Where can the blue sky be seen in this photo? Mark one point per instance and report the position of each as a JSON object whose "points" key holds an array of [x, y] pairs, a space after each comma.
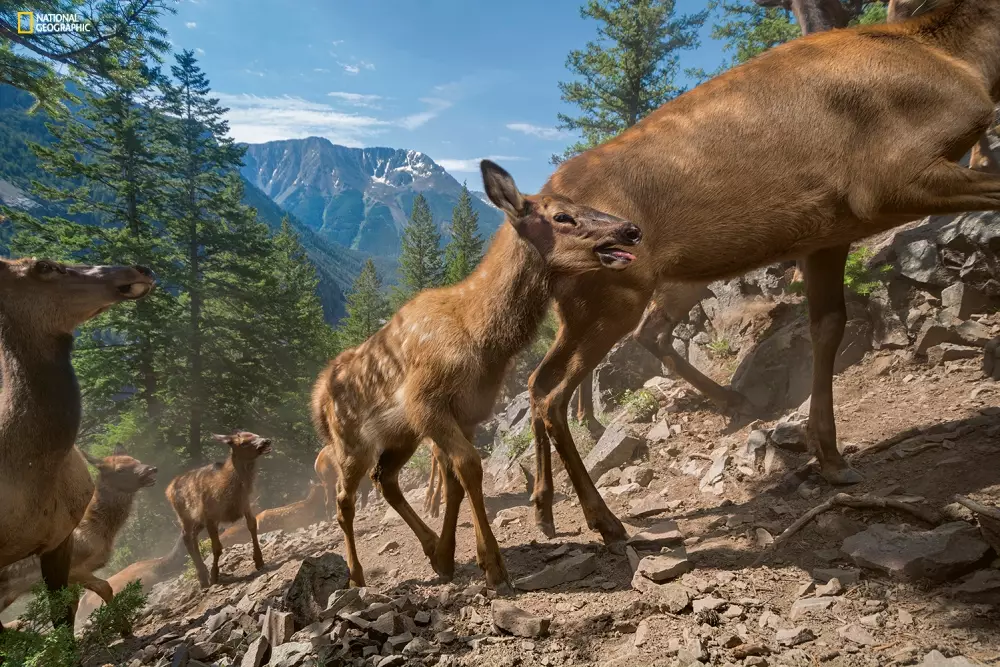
{"points": [[456, 79]]}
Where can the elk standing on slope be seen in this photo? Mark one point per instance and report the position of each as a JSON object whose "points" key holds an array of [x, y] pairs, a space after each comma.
{"points": [[119, 478], [219, 493], [435, 369], [288, 517], [45, 486], [841, 135]]}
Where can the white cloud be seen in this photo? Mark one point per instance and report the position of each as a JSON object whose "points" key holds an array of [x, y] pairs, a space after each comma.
{"points": [[254, 72], [200, 51], [549, 133], [357, 99], [436, 106], [350, 69], [321, 70], [471, 165], [191, 24], [355, 68], [258, 119], [337, 42]]}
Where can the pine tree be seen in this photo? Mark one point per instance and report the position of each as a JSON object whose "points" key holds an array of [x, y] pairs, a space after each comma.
{"points": [[629, 71], [465, 249], [420, 264], [367, 308]]}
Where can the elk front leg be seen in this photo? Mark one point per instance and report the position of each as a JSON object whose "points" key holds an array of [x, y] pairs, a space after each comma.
{"points": [[386, 478], [213, 534], [55, 573], [350, 476], [258, 557], [454, 493], [101, 587], [824, 274], [190, 537], [585, 406]]}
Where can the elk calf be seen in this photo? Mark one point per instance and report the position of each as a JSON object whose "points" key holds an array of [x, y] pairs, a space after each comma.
{"points": [[288, 517], [219, 493], [119, 478], [434, 371]]}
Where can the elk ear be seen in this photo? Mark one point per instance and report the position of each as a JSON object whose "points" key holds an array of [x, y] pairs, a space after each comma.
{"points": [[119, 451], [900, 10], [501, 190], [92, 460], [220, 438]]}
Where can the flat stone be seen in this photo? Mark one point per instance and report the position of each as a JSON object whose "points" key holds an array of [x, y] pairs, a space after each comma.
{"points": [[571, 568], [660, 432], [857, 635], [981, 586], [943, 352], [615, 448], [641, 633], [391, 661], [651, 505], [794, 636], [714, 474], [937, 659], [257, 654], [657, 536], [633, 558], [710, 603], [518, 622], [845, 577], [672, 598], [418, 646], [609, 479], [831, 587], [388, 625], [422, 618], [973, 333], [391, 545], [808, 606], [279, 626], [641, 475], [790, 435], [907, 553], [664, 567], [289, 654]]}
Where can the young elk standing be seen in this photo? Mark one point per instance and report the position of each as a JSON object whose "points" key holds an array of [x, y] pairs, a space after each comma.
{"points": [[119, 478], [219, 493], [44, 482], [435, 369]]}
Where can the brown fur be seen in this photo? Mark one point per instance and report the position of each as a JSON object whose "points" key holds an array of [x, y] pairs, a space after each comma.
{"points": [[435, 485], [148, 572], [288, 517], [326, 470], [44, 482], [219, 493], [794, 155], [435, 369], [119, 478]]}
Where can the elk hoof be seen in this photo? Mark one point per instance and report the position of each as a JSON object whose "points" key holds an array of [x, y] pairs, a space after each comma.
{"points": [[547, 527], [841, 476], [504, 589], [258, 563]]}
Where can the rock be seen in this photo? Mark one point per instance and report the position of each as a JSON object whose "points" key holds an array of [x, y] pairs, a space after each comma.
{"points": [[562, 571], [933, 333], [507, 517], [651, 505], [205, 650], [611, 478], [341, 599], [391, 545], [641, 475], [657, 536], [397, 642], [857, 635], [388, 624], [614, 449], [777, 372], [422, 618], [991, 354], [391, 661], [257, 654], [659, 433], [830, 588], [961, 301], [733, 611], [290, 654], [518, 622], [720, 457], [982, 586], [794, 636], [809, 606], [763, 538], [790, 435], [315, 580], [633, 558], [216, 621], [664, 567], [838, 526], [672, 598], [845, 577], [730, 641], [417, 646], [919, 261], [278, 626], [627, 366], [752, 651], [710, 603], [943, 352], [973, 333], [937, 659], [904, 552], [755, 447], [888, 331]]}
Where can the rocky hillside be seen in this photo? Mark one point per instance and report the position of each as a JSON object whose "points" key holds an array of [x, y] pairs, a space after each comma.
{"points": [[739, 553], [356, 197]]}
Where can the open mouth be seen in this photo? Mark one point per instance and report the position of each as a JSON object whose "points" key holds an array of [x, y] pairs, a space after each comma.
{"points": [[613, 257], [264, 448], [134, 290], [148, 480]]}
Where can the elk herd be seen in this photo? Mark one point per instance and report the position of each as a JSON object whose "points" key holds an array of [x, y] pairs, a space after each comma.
{"points": [[795, 154]]}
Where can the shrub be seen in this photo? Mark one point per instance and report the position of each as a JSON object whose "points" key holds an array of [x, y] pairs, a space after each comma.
{"points": [[640, 404], [518, 443], [860, 279], [720, 347]]}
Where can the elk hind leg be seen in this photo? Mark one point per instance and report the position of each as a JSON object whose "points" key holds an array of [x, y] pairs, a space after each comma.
{"points": [[55, 573], [386, 478], [213, 534], [454, 493], [945, 187]]}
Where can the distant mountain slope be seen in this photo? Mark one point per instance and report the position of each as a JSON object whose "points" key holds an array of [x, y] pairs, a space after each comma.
{"points": [[357, 197]]}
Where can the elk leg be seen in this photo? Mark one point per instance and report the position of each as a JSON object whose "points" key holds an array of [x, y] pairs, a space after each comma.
{"points": [[982, 157], [438, 487], [213, 534], [55, 572], [101, 587], [258, 557], [585, 406], [824, 274], [468, 467], [655, 333], [454, 493], [945, 188], [386, 478], [429, 496], [350, 476], [191, 542]]}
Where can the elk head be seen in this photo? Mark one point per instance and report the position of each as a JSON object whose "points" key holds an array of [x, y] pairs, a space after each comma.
{"points": [[51, 298], [121, 472], [571, 238], [245, 445], [900, 10]]}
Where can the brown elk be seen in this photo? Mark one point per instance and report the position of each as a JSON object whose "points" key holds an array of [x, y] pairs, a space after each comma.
{"points": [[838, 135], [45, 486], [119, 478], [288, 517], [326, 470], [147, 572], [435, 485], [219, 493], [435, 369]]}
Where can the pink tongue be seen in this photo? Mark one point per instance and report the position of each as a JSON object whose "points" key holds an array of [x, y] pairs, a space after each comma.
{"points": [[621, 254]]}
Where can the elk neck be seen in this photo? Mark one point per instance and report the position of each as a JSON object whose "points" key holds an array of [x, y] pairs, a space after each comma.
{"points": [[107, 512], [40, 401], [240, 472], [970, 31], [505, 299]]}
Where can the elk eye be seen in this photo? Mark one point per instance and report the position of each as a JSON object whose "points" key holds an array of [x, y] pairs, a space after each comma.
{"points": [[43, 268], [564, 218]]}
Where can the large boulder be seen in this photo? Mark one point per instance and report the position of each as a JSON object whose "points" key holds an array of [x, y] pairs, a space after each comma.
{"points": [[908, 553], [615, 448], [626, 367]]}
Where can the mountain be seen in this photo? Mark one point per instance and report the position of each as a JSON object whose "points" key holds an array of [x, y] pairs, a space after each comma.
{"points": [[359, 198]]}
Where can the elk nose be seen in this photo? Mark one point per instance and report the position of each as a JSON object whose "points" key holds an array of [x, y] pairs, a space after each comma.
{"points": [[631, 234], [152, 469], [145, 271]]}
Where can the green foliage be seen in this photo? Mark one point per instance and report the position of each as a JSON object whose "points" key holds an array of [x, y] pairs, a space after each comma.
{"points": [[518, 443], [858, 277], [35, 643], [629, 70], [720, 347], [465, 249], [367, 308], [421, 461], [640, 404], [205, 549], [420, 263]]}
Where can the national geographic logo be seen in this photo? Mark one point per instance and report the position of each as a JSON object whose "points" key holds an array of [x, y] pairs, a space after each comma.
{"points": [[30, 23]]}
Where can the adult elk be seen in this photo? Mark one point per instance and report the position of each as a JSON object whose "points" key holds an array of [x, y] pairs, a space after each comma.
{"points": [[44, 482], [435, 369], [794, 155]]}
